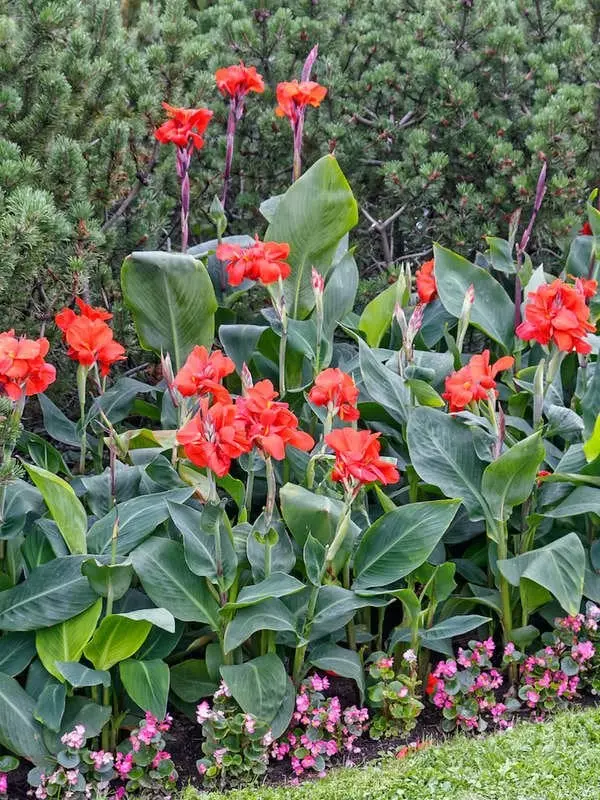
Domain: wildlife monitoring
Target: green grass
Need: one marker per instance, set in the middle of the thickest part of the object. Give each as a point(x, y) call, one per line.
point(558, 760)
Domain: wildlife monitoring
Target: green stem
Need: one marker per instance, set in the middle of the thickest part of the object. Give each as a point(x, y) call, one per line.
point(350, 627)
point(301, 650)
point(82, 373)
point(249, 484)
point(281, 310)
point(271, 491)
point(502, 548)
point(380, 621)
point(340, 535)
point(107, 729)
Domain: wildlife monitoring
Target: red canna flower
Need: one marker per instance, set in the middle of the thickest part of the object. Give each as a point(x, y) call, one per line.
point(357, 459)
point(89, 339)
point(271, 425)
point(202, 374)
point(474, 381)
point(293, 96)
point(543, 473)
point(23, 371)
point(432, 685)
point(238, 80)
point(262, 261)
point(558, 312)
point(426, 285)
point(336, 390)
point(586, 230)
point(185, 127)
point(215, 436)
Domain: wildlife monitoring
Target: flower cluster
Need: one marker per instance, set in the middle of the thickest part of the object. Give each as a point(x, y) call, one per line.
point(184, 127)
point(264, 262)
point(582, 634)
point(475, 381)
point(320, 729)
point(558, 312)
point(357, 460)
point(88, 337)
point(337, 392)
point(23, 370)
point(465, 690)
point(294, 96)
point(238, 80)
point(236, 745)
point(425, 280)
point(394, 695)
point(142, 762)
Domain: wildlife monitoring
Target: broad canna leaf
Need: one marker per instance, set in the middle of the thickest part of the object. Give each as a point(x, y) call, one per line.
point(172, 301)
point(117, 638)
point(65, 641)
point(19, 730)
point(278, 584)
point(16, 652)
point(342, 662)
point(269, 615)
point(400, 541)
point(340, 293)
point(50, 706)
point(492, 312)
point(52, 593)
point(191, 681)
point(259, 686)
point(147, 683)
point(558, 567)
point(378, 314)
point(64, 507)
point(509, 480)
point(312, 216)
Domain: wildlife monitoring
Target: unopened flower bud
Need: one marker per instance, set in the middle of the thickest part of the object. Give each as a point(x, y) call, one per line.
point(247, 382)
point(465, 316)
point(318, 282)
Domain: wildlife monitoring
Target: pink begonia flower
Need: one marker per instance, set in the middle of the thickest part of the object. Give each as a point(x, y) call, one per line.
point(203, 712)
point(3, 783)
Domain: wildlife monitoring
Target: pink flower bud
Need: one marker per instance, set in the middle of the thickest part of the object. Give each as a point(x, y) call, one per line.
point(318, 282)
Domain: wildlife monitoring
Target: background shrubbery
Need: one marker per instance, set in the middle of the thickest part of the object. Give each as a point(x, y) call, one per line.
point(442, 109)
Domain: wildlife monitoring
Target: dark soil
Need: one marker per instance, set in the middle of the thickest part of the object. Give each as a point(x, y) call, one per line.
point(185, 743)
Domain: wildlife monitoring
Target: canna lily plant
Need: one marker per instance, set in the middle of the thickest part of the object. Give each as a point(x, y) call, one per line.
point(304, 486)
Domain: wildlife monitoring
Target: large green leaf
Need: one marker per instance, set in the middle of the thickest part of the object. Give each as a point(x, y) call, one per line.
point(492, 312)
point(161, 567)
point(138, 518)
point(19, 731)
point(66, 510)
point(383, 385)
point(305, 512)
point(442, 452)
point(190, 680)
point(312, 216)
point(400, 541)
point(453, 626)
point(258, 686)
point(54, 592)
point(50, 706)
point(117, 638)
point(78, 675)
point(270, 615)
point(108, 579)
point(278, 584)
point(335, 607)
point(558, 567)
point(172, 301)
point(336, 659)
point(377, 315)
point(65, 641)
point(582, 500)
point(509, 480)
point(16, 652)
point(340, 293)
point(147, 683)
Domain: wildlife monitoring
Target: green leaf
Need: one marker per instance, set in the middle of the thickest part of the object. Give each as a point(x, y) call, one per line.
point(400, 541)
point(240, 342)
point(442, 452)
point(19, 731)
point(500, 254)
point(305, 512)
point(382, 384)
point(161, 567)
point(558, 567)
point(424, 393)
point(16, 652)
point(453, 626)
point(50, 706)
point(270, 615)
point(312, 216)
point(58, 425)
point(340, 293)
point(147, 683)
point(345, 663)
point(80, 710)
point(509, 480)
point(335, 608)
point(592, 447)
point(199, 543)
point(283, 717)
point(492, 312)
point(582, 500)
point(172, 301)
point(191, 681)
point(258, 686)
point(377, 315)
point(278, 584)
point(159, 617)
point(314, 560)
point(65, 641)
point(52, 593)
point(108, 579)
point(117, 638)
point(80, 676)
point(65, 509)
point(138, 518)
point(42, 453)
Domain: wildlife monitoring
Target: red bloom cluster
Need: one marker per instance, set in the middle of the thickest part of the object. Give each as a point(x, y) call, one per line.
point(357, 459)
point(262, 261)
point(270, 424)
point(23, 370)
point(89, 339)
point(202, 374)
point(558, 312)
point(426, 285)
point(293, 96)
point(337, 391)
point(227, 429)
point(586, 230)
point(185, 126)
point(474, 381)
point(238, 80)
